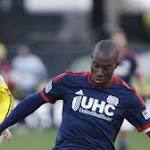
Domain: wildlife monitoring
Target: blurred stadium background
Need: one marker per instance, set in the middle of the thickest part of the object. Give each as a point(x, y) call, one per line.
point(61, 31)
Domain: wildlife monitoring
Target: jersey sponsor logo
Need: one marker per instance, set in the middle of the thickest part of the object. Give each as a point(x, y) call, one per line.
point(146, 114)
point(112, 100)
point(48, 87)
point(76, 103)
point(95, 107)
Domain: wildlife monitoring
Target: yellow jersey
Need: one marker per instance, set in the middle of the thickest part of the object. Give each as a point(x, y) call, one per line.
point(6, 100)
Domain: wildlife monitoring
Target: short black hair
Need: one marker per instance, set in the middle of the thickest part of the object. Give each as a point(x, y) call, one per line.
point(105, 47)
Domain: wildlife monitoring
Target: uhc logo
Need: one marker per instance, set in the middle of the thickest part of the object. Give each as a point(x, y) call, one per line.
point(88, 105)
point(76, 102)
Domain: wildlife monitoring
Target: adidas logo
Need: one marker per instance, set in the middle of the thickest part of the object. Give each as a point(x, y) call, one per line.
point(79, 93)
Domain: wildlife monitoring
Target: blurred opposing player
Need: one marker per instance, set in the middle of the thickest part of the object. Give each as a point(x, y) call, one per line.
point(127, 70)
point(5, 67)
point(95, 104)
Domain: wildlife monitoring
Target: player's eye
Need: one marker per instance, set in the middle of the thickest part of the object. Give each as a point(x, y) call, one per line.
point(95, 65)
point(108, 68)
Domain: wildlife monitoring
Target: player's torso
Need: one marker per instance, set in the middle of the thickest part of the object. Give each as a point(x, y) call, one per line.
point(92, 114)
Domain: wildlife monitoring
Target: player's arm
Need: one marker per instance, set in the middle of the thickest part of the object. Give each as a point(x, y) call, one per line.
point(137, 114)
point(52, 92)
point(22, 110)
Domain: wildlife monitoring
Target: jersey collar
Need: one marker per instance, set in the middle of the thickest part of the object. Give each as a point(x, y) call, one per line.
point(91, 81)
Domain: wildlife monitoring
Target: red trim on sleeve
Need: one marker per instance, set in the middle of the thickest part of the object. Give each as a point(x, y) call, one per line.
point(148, 134)
point(46, 99)
point(143, 127)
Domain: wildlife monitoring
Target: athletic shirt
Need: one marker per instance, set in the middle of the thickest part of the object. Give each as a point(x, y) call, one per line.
point(92, 116)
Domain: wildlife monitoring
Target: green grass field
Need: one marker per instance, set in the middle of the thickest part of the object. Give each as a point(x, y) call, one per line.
point(44, 140)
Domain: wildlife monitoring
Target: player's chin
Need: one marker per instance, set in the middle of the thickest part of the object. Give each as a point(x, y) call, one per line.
point(99, 81)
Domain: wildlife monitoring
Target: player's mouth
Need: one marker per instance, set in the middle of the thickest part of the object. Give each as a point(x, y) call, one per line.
point(99, 79)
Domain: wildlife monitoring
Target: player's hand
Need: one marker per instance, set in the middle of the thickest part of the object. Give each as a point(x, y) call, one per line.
point(6, 135)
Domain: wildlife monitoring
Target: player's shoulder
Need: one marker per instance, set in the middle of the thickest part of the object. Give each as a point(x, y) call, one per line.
point(77, 74)
point(118, 81)
point(69, 75)
point(130, 92)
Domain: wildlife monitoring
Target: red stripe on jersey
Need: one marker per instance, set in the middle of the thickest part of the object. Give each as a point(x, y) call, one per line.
point(148, 133)
point(143, 127)
point(59, 77)
point(46, 99)
point(94, 83)
point(80, 74)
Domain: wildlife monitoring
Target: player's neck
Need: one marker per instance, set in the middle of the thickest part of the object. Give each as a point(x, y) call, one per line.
point(102, 86)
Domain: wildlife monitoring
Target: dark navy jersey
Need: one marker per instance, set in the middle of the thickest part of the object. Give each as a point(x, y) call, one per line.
point(128, 67)
point(92, 116)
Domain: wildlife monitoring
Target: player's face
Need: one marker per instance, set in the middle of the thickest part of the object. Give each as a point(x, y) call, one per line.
point(102, 68)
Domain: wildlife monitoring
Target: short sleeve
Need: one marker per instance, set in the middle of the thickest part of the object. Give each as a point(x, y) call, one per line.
point(137, 114)
point(55, 89)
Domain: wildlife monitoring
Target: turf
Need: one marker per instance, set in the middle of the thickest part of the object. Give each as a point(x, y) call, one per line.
point(31, 140)
point(138, 141)
point(44, 140)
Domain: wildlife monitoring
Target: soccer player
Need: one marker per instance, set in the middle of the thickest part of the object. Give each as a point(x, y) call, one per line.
point(95, 104)
point(128, 69)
